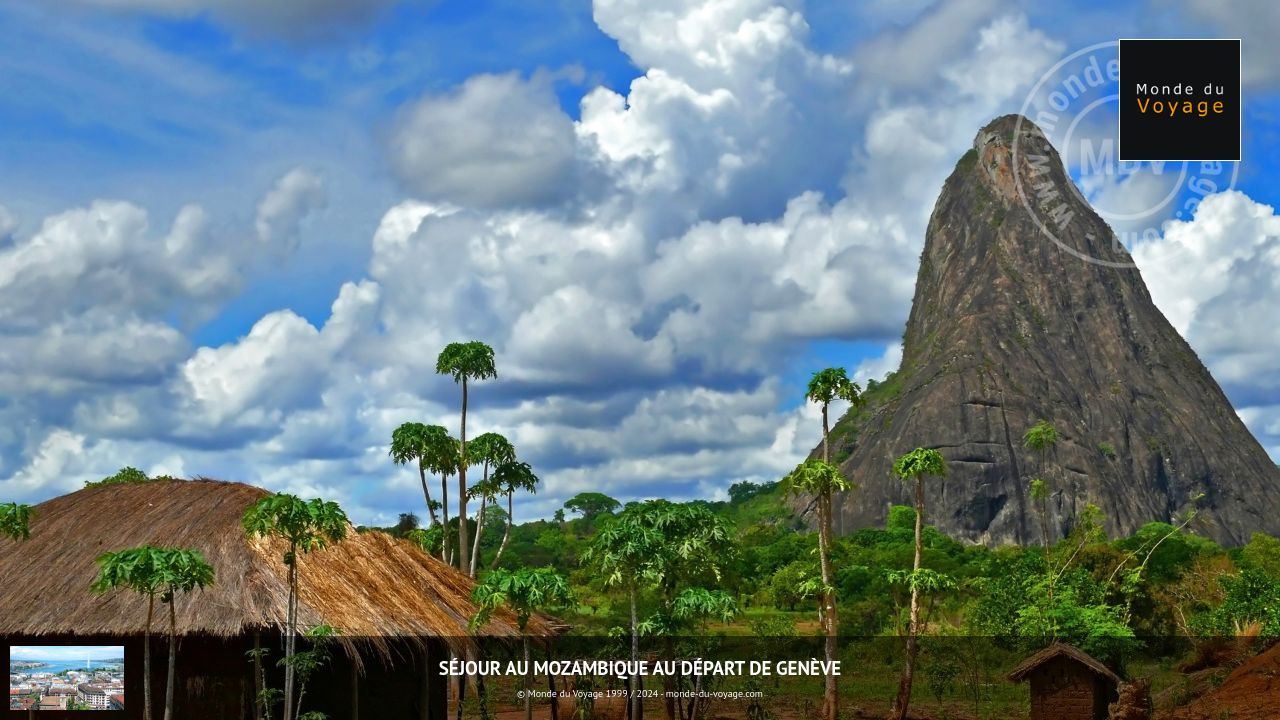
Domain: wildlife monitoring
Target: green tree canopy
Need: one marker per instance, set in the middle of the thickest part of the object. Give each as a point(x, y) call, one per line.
point(525, 591)
point(921, 462)
point(428, 445)
point(305, 525)
point(814, 477)
point(831, 384)
point(155, 571)
point(591, 505)
point(1040, 437)
point(1262, 553)
point(490, 449)
point(15, 521)
point(701, 604)
point(466, 361)
point(123, 476)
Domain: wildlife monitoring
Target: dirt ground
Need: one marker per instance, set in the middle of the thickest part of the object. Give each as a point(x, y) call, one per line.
point(1250, 692)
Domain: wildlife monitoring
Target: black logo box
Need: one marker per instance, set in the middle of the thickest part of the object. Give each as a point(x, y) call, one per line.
point(1183, 64)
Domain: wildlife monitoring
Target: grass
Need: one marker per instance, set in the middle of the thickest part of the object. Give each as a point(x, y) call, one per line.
point(768, 507)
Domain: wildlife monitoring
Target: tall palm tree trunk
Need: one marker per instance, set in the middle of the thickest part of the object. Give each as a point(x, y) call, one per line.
point(551, 685)
point(475, 547)
point(831, 699)
point(291, 630)
point(830, 696)
point(464, 555)
point(426, 494)
point(528, 684)
point(146, 659)
point(506, 534)
point(913, 631)
point(484, 503)
point(826, 436)
point(637, 708)
point(260, 708)
point(1044, 525)
point(173, 659)
point(445, 555)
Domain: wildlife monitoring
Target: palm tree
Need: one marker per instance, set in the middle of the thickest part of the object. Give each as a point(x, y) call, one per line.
point(510, 477)
point(465, 361)
point(689, 542)
point(441, 457)
point(821, 479)
point(1039, 493)
point(699, 605)
point(135, 569)
point(914, 467)
point(1041, 439)
point(306, 526)
point(621, 552)
point(434, 452)
point(412, 442)
point(825, 387)
point(181, 570)
point(15, 521)
point(489, 450)
point(525, 591)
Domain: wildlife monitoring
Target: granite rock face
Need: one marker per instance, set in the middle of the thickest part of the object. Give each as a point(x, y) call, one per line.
point(1008, 327)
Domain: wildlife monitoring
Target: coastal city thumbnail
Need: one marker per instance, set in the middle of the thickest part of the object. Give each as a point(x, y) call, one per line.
point(64, 677)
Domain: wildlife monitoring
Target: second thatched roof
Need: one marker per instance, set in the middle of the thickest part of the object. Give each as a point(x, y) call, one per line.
point(371, 585)
point(1024, 668)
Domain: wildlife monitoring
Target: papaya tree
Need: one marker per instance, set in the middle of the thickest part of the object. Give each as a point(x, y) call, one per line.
point(510, 477)
point(525, 591)
point(411, 442)
point(305, 526)
point(489, 450)
point(694, 543)
point(136, 569)
point(1039, 492)
point(820, 480)
point(1041, 439)
point(465, 362)
point(914, 467)
point(700, 606)
point(444, 459)
point(181, 570)
point(825, 387)
point(621, 552)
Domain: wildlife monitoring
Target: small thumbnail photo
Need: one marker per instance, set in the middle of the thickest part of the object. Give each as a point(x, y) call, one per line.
point(66, 677)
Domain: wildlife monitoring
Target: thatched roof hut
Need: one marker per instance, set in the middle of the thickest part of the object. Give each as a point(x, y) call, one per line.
point(383, 594)
point(1067, 684)
point(1061, 650)
point(371, 585)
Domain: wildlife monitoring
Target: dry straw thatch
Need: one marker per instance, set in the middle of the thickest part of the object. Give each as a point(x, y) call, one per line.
point(1024, 668)
point(371, 585)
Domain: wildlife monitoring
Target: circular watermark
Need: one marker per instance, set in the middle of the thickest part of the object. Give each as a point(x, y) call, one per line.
point(1075, 104)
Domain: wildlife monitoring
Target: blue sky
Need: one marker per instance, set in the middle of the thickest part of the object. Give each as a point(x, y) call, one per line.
point(233, 235)
point(67, 653)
